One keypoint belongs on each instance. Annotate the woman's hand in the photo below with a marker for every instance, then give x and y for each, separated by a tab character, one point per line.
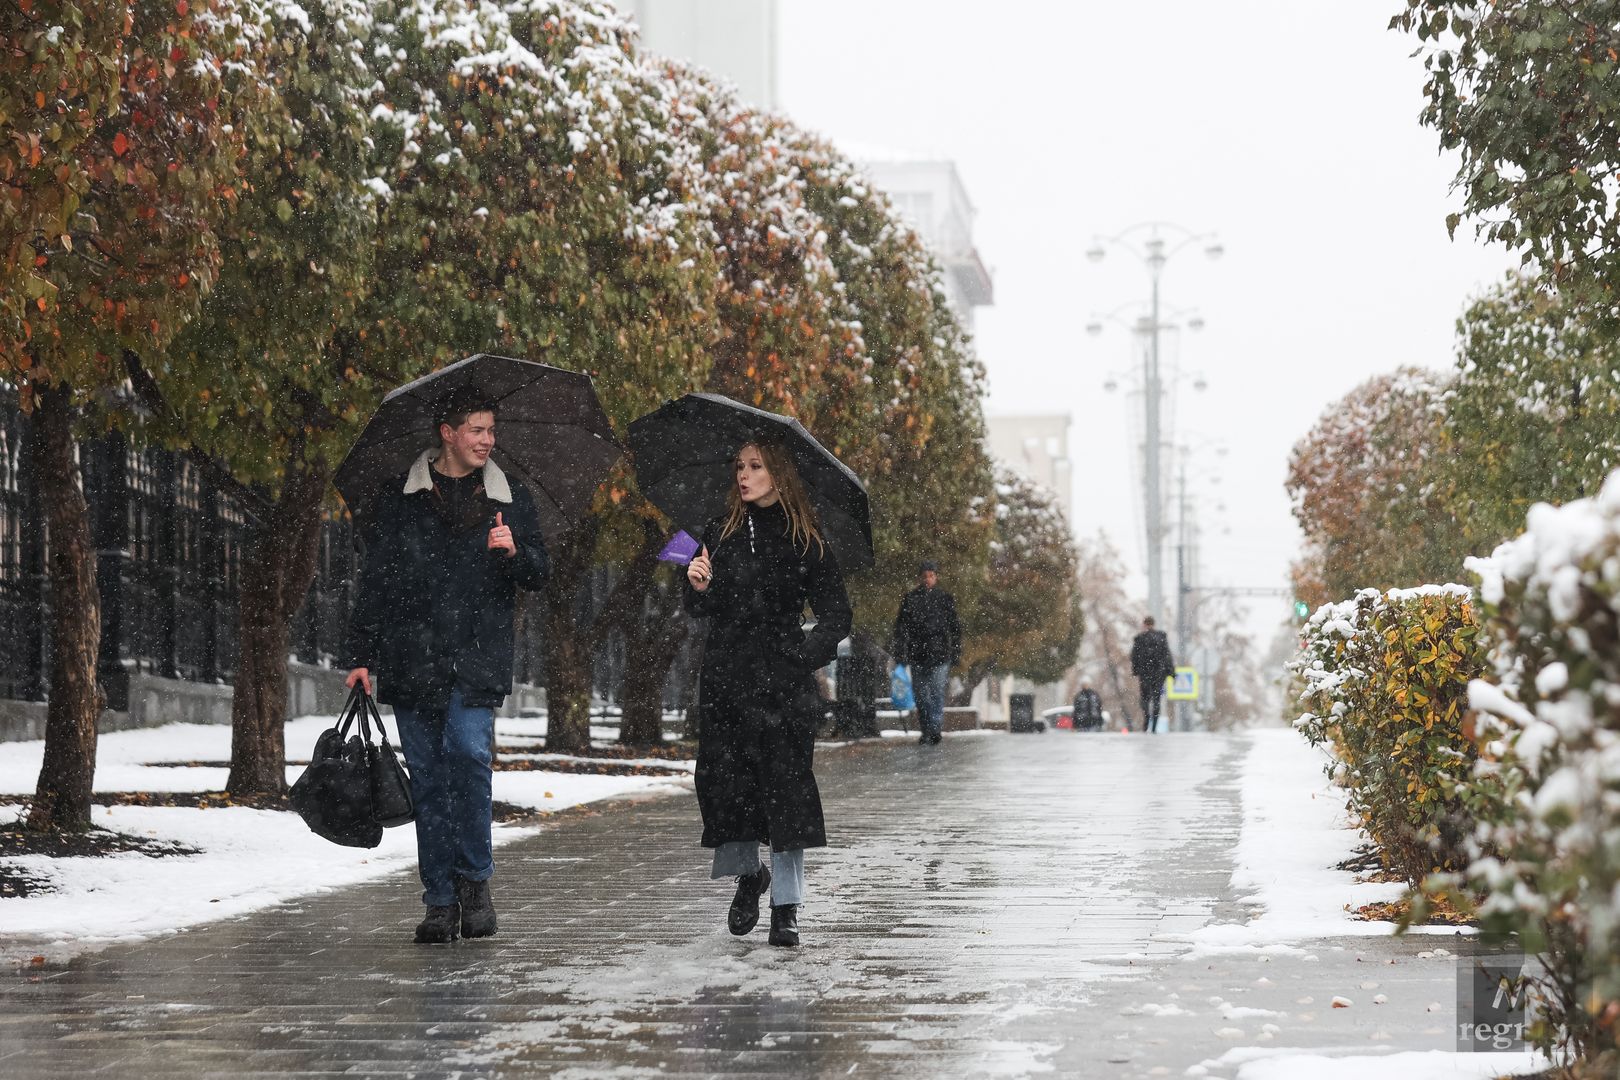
700	571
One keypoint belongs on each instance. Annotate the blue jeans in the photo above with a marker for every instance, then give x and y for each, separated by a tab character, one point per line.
449	757
928	685
738	857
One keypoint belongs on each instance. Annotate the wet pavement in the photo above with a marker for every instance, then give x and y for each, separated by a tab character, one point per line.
996	906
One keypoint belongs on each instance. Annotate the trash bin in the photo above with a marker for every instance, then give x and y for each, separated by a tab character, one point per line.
1021	714
860	683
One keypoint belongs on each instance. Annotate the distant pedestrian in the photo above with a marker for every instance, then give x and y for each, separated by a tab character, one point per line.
928	640
444	554
1088	710
1151	663
758	709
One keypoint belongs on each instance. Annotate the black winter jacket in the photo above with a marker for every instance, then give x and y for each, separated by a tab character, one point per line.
1088	708
1150	656
758	708
434	605
927	632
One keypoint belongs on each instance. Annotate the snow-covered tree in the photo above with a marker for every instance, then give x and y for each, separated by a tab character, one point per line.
264	390
1028	621
1111	619
1533	414
1362	483
1525	92
116	163
542	202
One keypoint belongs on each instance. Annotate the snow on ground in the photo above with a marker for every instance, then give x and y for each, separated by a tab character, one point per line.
1284	1064
1296	830
248	859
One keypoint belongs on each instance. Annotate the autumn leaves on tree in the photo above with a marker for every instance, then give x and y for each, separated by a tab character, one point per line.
248	220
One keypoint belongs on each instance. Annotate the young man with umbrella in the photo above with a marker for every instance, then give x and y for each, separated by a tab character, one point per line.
760	564
445	549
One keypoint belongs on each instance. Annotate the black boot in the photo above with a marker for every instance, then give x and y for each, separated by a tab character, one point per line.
477	908
439	928
785	925
744	913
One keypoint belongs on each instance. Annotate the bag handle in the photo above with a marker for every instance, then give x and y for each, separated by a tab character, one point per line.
364	706
351	709
376	716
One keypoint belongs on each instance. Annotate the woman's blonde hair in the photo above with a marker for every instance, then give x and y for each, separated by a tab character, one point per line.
801	513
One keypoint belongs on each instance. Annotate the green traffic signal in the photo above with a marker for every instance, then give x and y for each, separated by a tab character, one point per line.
1302	610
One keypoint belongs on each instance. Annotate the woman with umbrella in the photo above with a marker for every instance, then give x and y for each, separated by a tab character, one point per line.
761	562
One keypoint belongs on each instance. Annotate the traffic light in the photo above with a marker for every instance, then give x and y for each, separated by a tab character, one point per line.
1302	610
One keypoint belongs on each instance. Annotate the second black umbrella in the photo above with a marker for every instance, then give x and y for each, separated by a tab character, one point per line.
684	454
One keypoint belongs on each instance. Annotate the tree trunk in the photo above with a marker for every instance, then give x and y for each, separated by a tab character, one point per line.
1116	664
971	678
278	565
569	645
62	797
653	641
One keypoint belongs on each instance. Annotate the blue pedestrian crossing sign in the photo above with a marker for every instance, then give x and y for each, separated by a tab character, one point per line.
1183	685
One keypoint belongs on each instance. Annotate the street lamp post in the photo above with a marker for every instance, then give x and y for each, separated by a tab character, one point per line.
1187	561
1154	253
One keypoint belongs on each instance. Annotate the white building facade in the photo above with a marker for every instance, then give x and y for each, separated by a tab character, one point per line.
735	39
1037	448
929	193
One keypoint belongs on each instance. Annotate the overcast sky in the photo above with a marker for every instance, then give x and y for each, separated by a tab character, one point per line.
1288	127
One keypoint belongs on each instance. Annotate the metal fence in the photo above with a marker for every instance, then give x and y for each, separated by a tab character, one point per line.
169	561
169	550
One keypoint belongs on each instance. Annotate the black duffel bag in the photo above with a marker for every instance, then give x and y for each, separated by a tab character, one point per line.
353	786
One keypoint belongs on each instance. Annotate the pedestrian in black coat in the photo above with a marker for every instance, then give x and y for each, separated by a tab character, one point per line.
758	709
1088	710
1151	663
928	639
443	557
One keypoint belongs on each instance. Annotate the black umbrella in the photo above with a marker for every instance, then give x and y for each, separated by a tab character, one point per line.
684	454
553	435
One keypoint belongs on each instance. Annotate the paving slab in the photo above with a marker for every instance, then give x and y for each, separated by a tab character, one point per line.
999	905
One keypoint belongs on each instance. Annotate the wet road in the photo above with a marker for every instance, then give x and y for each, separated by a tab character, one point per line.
999	905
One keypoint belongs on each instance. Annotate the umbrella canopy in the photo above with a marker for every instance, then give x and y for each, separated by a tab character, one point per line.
684	453
553	435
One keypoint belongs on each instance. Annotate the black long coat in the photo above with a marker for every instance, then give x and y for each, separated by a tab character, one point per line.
1150	656
433	609
758	708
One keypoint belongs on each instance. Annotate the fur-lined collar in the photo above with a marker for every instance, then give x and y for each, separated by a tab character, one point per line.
419	478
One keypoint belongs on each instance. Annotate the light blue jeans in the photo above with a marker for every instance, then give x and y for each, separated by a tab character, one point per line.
449	756
741	857
928	684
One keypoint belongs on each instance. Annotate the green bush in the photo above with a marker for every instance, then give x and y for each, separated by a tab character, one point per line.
1386	678
1549	847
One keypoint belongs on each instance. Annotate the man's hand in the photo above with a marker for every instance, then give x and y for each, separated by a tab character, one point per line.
700	571
359	675
500	537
